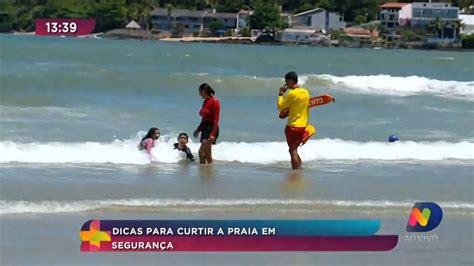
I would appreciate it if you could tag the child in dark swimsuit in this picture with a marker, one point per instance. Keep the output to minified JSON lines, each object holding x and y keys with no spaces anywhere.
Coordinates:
{"x":181,"y":146}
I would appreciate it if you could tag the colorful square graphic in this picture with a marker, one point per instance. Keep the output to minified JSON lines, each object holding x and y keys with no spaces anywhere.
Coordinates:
{"x":92,"y":238}
{"x":424,"y":217}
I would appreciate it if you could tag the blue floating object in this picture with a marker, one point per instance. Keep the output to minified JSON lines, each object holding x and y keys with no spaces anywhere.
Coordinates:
{"x":393,"y":138}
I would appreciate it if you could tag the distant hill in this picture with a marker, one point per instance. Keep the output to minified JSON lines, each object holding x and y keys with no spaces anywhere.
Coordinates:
{"x":19,"y":15}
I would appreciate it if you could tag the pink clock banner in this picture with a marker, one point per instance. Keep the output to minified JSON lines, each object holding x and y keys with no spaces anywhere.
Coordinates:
{"x":64,"y":26}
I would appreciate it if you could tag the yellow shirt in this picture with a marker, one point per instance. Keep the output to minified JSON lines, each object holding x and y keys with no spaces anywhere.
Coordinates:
{"x":296,"y":101}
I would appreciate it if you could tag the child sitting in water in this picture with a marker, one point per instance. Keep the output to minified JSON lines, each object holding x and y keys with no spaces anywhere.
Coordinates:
{"x":148,"y":141}
{"x":181,"y":146}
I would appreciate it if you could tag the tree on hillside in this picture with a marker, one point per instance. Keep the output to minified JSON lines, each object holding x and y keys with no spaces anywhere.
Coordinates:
{"x":215,"y":26}
{"x":140,"y":11}
{"x":462,"y":3}
{"x":27,"y":11}
{"x":304,"y":7}
{"x":110,"y":14}
{"x":20,"y":14}
{"x":360,"y":19}
{"x":267,"y":16}
{"x":229,"y":6}
{"x":324,"y":4}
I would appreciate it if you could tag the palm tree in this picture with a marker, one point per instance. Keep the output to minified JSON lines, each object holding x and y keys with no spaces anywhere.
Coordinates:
{"x":169,"y":8}
{"x":457,"y":25}
{"x":372,"y":27}
{"x":146,"y":13}
{"x":179,"y":29}
{"x":436,"y":27}
{"x":141,"y":12}
{"x":212,"y":3}
{"x":381,"y":28}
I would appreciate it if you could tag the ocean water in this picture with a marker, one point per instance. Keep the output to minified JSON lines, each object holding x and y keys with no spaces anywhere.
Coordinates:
{"x":73,"y":110}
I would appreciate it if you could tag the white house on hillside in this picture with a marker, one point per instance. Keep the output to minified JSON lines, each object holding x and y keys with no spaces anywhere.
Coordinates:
{"x":468,"y":21}
{"x":320,"y":19}
{"x":425,"y":12}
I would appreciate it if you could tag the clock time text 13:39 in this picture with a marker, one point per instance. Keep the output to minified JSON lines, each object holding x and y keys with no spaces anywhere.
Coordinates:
{"x":63,"y":27}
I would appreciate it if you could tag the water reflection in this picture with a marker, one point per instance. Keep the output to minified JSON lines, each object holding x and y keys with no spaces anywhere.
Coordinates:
{"x":295,"y":183}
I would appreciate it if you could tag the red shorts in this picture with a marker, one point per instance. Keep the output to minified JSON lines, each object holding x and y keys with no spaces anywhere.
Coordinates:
{"x":294,"y":135}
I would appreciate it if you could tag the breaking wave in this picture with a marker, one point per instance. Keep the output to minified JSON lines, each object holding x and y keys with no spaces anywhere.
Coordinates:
{"x":398,"y":86}
{"x":357,"y":84}
{"x":126,"y":151}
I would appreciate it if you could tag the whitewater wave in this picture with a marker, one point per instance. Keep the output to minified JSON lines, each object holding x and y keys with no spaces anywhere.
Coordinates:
{"x":444,"y":58}
{"x":398,"y":86}
{"x":358,"y":84}
{"x":126,"y":151}
{"x":187,"y":205}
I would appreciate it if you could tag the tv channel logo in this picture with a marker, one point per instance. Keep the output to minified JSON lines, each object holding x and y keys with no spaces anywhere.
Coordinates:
{"x":424,"y":217}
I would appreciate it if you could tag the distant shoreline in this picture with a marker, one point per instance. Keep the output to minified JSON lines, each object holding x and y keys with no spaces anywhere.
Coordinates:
{"x":147,"y":35}
{"x":237,"y":40}
{"x":123,"y":34}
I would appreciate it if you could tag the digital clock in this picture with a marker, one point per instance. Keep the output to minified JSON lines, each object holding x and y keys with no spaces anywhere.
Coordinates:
{"x":64,"y":26}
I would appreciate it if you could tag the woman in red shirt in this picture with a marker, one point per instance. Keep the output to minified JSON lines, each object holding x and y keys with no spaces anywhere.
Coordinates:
{"x":209,"y":126}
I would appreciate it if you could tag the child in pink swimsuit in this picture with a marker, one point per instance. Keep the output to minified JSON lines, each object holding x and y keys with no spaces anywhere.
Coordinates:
{"x":148,"y":141}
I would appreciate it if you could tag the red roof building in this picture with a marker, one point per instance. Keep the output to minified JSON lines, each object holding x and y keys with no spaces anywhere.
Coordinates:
{"x":393,"y":5}
{"x":391,"y":13}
